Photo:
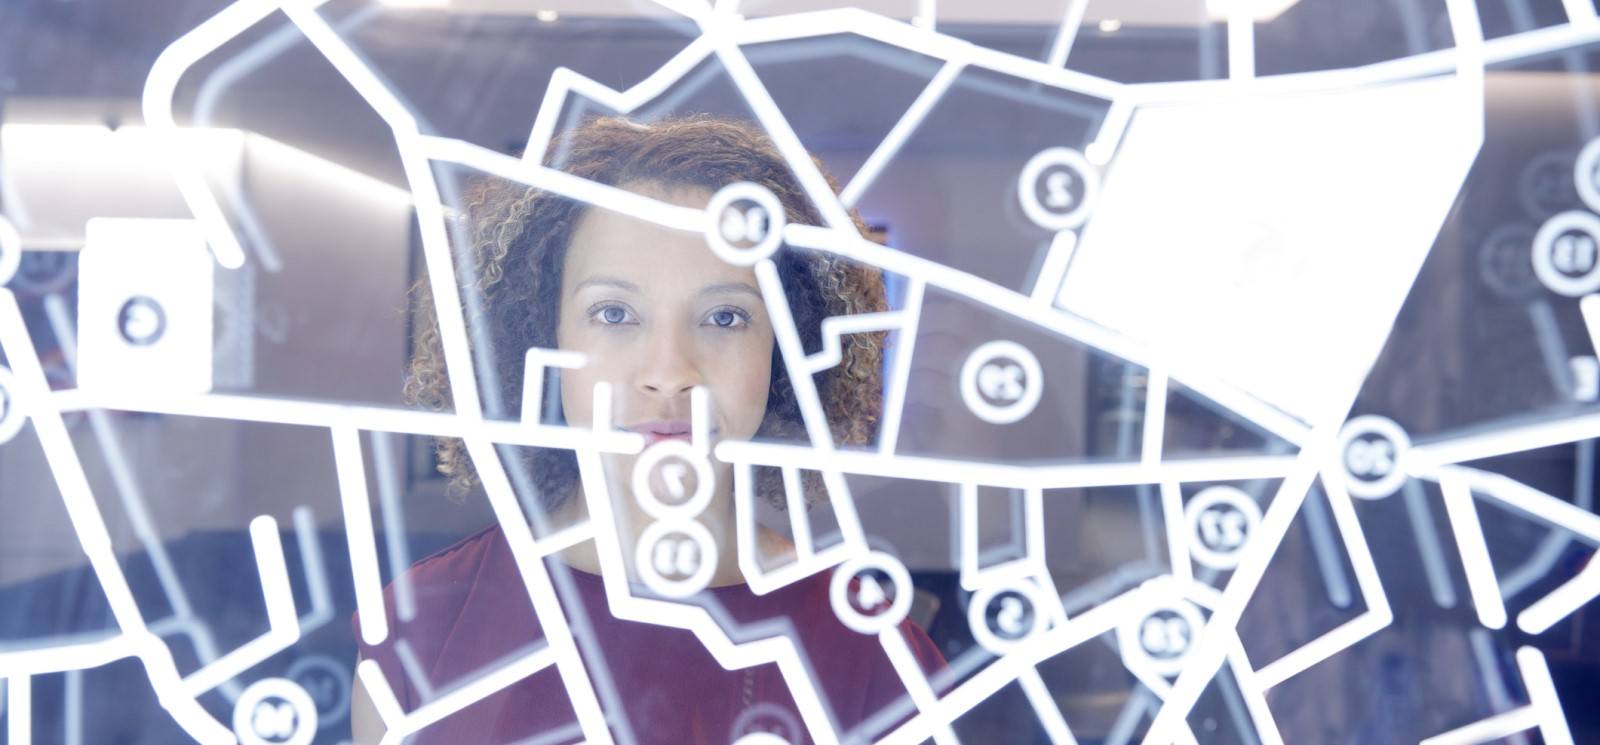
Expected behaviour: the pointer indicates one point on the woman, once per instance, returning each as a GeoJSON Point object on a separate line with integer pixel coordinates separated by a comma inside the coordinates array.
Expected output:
{"type": "Point", "coordinates": [656, 315]}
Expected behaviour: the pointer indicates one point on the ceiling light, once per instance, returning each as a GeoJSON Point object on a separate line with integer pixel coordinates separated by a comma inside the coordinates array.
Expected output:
{"type": "Point", "coordinates": [547, 16]}
{"type": "Point", "coordinates": [1110, 25]}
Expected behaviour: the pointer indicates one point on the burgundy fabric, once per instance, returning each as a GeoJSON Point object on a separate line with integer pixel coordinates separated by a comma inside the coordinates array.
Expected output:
{"type": "Point", "coordinates": [472, 615]}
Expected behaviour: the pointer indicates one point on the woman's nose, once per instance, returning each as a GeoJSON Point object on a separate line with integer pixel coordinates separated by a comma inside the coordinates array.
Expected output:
{"type": "Point", "coordinates": [669, 369]}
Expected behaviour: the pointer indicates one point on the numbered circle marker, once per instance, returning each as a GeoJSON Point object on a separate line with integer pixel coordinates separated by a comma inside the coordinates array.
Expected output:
{"type": "Point", "coordinates": [141, 321]}
{"type": "Point", "coordinates": [1221, 520]}
{"type": "Point", "coordinates": [1057, 188]}
{"type": "Point", "coordinates": [1566, 253]}
{"type": "Point", "coordinates": [744, 223]}
{"type": "Point", "coordinates": [11, 416]}
{"type": "Point", "coordinates": [328, 684]}
{"type": "Point", "coordinates": [10, 250]}
{"type": "Point", "coordinates": [1159, 640]}
{"type": "Point", "coordinates": [872, 593]}
{"type": "Point", "coordinates": [671, 481]}
{"type": "Point", "coordinates": [1370, 451]}
{"type": "Point", "coordinates": [1586, 174]}
{"type": "Point", "coordinates": [1001, 382]}
{"type": "Point", "coordinates": [676, 558]}
{"type": "Point", "coordinates": [275, 711]}
{"type": "Point", "coordinates": [1503, 263]}
{"type": "Point", "coordinates": [1005, 615]}
{"type": "Point", "coordinates": [766, 724]}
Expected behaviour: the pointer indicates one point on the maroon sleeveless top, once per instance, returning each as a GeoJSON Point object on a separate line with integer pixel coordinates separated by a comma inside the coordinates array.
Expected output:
{"type": "Point", "coordinates": [473, 615]}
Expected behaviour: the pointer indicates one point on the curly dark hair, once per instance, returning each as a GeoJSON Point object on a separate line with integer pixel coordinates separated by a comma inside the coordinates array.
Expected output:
{"type": "Point", "coordinates": [518, 242]}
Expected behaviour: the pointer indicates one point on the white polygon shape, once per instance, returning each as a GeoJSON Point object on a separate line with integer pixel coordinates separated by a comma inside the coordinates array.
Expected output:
{"type": "Point", "coordinates": [1027, 188]}
{"type": "Point", "coordinates": [1032, 389]}
{"type": "Point", "coordinates": [163, 267]}
{"type": "Point", "coordinates": [1131, 643]}
{"type": "Point", "coordinates": [10, 250]}
{"type": "Point", "coordinates": [1585, 172]}
{"type": "Point", "coordinates": [1545, 247]}
{"type": "Point", "coordinates": [978, 614]}
{"type": "Point", "coordinates": [664, 510]}
{"type": "Point", "coordinates": [1195, 510]}
{"type": "Point", "coordinates": [245, 712]}
{"type": "Point", "coordinates": [644, 557]}
{"type": "Point", "coordinates": [769, 241]}
{"type": "Point", "coordinates": [1388, 431]}
{"type": "Point", "coordinates": [855, 620]}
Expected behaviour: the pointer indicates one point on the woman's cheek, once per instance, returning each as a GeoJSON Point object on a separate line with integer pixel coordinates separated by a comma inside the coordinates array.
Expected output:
{"type": "Point", "coordinates": [749, 383]}
{"type": "Point", "coordinates": [577, 398]}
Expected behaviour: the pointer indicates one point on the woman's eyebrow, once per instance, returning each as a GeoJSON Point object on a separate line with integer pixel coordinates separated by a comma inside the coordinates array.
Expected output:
{"type": "Point", "coordinates": [604, 281]}
{"type": "Point", "coordinates": [720, 287]}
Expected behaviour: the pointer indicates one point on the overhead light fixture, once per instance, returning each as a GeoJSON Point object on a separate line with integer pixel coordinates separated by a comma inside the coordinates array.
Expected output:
{"type": "Point", "coordinates": [547, 16]}
{"type": "Point", "coordinates": [1110, 26]}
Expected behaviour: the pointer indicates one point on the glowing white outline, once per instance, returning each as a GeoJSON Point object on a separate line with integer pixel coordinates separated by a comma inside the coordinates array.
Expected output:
{"type": "Point", "coordinates": [978, 613]}
{"type": "Point", "coordinates": [1032, 390]}
{"type": "Point", "coordinates": [1481, 584]}
{"type": "Point", "coordinates": [1544, 244]}
{"type": "Point", "coordinates": [304, 708]}
{"type": "Point", "coordinates": [1027, 188]}
{"type": "Point", "coordinates": [1212, 496]}
{"type": "Point", "coordinates": [1390, 482]}
{"type": "Point", "coordinates": [861, 623]}
{"type": "Point", "coordinates": [660, 509]}
{"type": "Point", "coordinates": [1465, 55]}
{"type": "Point", "coordinates": [767, 201]}
{"type": "Point", "coordinates": [676, 588]}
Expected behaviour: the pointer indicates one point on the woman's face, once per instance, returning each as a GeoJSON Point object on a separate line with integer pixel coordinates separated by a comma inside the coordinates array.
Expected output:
{"type": "Point", "coordinates": [657, 314]}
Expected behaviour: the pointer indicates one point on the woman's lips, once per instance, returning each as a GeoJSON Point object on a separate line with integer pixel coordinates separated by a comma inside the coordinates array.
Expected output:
{"type": "Point", "coordinates": [651, 438]}
{"type": "Point", "coordinates": [666, 429]}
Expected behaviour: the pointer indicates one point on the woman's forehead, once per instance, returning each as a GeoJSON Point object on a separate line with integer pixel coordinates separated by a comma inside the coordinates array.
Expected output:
{"type": "Point", "coordinates": [646, 254]}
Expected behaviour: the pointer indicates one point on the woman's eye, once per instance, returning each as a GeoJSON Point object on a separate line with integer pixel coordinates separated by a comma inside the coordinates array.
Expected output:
{"type": "Point", "coordinates": [610, 315]}
{"type": "Point", "coordinates": [727, 318]}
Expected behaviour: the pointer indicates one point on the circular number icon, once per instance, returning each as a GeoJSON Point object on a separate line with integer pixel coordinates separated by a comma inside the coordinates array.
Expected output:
{"type": "Point", "coordinates": [141, 321]}
{"type": "Point", "coordinates": [1503, 263]}
{"type": "Point", "coordinates": [11, 415]}
{"type": "Point", "coordinates": [1001, 382]}
{"type": "Point", "coordinates": [766, 724]}
{"type": "Point", "coordinates": [10, 250]}
{"type": "Point", "coordinates": [328, 684]}
{"type": "Point", "coordinates": [676, 558]}
{"type": "Point", "coordinates": [274, 711]}
{"type": "Point", "coordinates": [672, 481]}
{"type": "Point", "coordinates": [1586, 174]}
{"type": "Point", "coordinates": [1004, 616]}
{"type": "Point", "coordinates": [1221, 519]}
{"type": "Point", "coordinates": [871, 593]}
{"type": "Point", "coordinates": [1057, 188]}
{"type": "Point", "coordinates": [744, 223]}
{"type": "Point", "coordinates": [1159, 641]}
{"type": "Point", "coordinates": [1566, 253]}
{"type": "Point", "coordinates": [1370, 451]}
